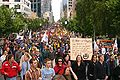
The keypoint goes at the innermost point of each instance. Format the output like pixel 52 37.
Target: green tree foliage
pixel 36 23
pixel 5 19
pixel 114 9
pixel 101 16
pixel 11 21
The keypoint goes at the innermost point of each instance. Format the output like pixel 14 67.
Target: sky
pixel 56 9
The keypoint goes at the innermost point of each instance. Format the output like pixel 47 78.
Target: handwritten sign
pixel 81 46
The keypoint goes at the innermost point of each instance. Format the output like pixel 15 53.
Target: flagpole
pixel 93 38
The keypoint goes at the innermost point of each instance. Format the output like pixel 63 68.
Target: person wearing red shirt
pixel 10 68
pixel 59 67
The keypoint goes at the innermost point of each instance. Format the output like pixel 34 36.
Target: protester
pixel 34 72
pixel 18 54
pixel 25 66
pixel 68 73
pixel 117 59
pixel 10 68
pixel 116 73
pixel 52 56
pixel 47 71
pixel 110 66
pixel 3 57
pixel 67 61
pixel 91 68
pixel 59 67
pixel 58 77
pixel 101 68
pixel 79 68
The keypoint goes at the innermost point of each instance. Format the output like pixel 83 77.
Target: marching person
pixel 101 68
pixel 25 66
pixel 34 72
pixel 59 67
pixel 79 68
pixel 10 68
pixel 91 68
pixel 110 66
pixel 47 71
pixel 116 73
pixel 68 74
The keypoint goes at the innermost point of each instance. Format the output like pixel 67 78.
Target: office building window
pixel 70 2
pixel 17 0
pixel 5 0
pixel 34 10
pixel 34 6
pixel 34 0
pixel 17 6
pixel 31 6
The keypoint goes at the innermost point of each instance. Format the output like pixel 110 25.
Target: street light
pixel 40 24
pixel 66 22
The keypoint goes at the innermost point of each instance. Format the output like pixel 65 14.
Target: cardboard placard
pixel 81 46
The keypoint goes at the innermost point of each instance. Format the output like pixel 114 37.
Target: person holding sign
pixel 79 68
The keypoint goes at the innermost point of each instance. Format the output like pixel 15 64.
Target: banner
pixel 81 46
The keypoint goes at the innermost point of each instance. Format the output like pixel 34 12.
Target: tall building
pixel 45 6
pixel 46 10
pixel 65 8
pixel 22 6
pixel 71 4
pixel 61 8
pixel 36 7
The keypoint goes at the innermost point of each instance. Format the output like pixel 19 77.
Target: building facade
pixel 71 5
pixel 22 6
pixel 36 7
pixel 46 10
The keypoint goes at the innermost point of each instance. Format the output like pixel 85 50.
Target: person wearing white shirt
pixel 3 57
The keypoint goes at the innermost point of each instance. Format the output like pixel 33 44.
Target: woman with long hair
pixel 67 61
pixel 79 68
pixel 91 68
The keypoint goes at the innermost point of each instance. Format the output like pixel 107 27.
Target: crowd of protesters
pixel 32 59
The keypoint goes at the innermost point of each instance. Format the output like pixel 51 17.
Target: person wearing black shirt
pixel 116 72
pixel 79 68
pixel 101 71
pixel 91 68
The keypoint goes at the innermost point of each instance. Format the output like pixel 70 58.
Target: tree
pixel 35 24
pixel 84 16
pixel 18 23
pixel 5 20
pixel 114 9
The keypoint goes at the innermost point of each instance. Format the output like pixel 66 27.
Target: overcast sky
pixel 56 9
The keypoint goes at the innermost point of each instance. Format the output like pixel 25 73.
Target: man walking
pixel 10 68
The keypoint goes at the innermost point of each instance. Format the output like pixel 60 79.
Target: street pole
pixel 94 32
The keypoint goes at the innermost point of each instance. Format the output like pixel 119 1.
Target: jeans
pixel 13 78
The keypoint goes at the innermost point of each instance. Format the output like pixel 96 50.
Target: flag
pixel 18 36
pixel 45 37
pixel 95 45
pixel 115 46
pixel 30 36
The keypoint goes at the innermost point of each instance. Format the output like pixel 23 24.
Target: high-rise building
pixel 45 6
pixel 46 10
pixel 22 6
pixel 65 8
pixel 71 4
pixel 36 7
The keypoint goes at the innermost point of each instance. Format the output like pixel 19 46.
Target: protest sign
pixel 81 46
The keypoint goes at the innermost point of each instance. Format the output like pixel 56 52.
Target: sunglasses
pixel 59 61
